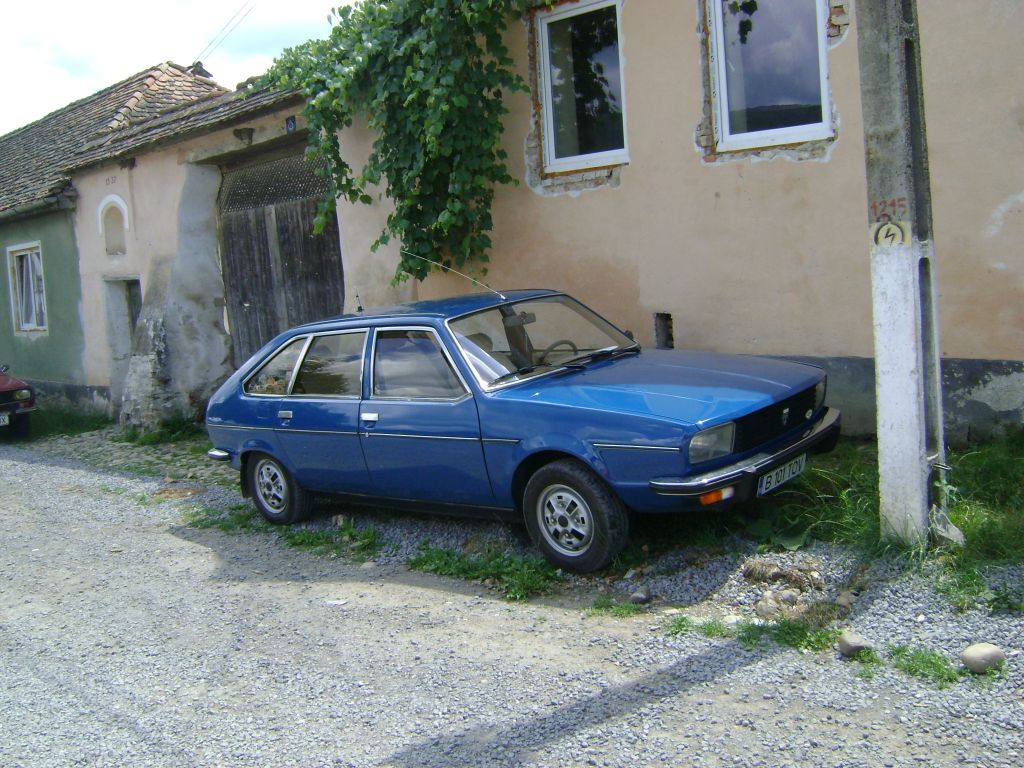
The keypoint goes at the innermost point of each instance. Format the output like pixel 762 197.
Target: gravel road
pixel 130 639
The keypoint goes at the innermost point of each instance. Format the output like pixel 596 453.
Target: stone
pixel 846 600
pixel 850 643
pixel 641 596
pixel 944 532
pixel 981 657
pixel 789 596
pixel 767 607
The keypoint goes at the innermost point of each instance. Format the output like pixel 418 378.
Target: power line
pixel 224 32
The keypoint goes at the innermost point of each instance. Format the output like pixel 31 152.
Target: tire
pixel 276 495
pixel 576 521
pixel 20 425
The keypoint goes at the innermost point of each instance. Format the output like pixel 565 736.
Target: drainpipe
pixel 908 388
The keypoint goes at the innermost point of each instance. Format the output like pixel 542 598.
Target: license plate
pixel 769 481
pixel 4 419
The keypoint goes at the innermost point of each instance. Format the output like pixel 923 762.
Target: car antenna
pixel 460 274
pixel 359 303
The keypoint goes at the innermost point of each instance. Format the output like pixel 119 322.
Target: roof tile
pixel 34 158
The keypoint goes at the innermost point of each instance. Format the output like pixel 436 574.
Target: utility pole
pixel 908 386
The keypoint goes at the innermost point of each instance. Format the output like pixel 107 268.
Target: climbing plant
pixel 429 78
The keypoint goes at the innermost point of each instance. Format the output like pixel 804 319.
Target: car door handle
pixel 284 414
pixel 370 418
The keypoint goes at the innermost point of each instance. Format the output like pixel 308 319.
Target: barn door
pixel 277 273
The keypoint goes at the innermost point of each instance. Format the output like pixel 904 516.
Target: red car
pixel 17 401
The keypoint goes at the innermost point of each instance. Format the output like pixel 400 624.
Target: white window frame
pixel 725 141
pixel 592 160
pixel 21 325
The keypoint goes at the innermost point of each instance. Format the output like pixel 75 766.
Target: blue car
pixel 527 404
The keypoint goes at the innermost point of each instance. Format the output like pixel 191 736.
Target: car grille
pixel 768 424
pixel 6 397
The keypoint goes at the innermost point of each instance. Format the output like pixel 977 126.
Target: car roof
pixel 447 308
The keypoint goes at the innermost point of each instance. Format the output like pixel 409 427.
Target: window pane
pixel 771 64
pixel 410 364
pixel 273 377
pixel 333 366
pixel 38 291
pixel 586 86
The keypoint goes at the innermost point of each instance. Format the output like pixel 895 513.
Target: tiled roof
pixel 33 158
pixel 198 117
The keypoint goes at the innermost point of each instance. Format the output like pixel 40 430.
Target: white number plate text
pixel 769 481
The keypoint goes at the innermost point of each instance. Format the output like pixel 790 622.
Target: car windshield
pixel 515 341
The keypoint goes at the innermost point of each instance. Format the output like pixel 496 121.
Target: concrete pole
pixel 907 371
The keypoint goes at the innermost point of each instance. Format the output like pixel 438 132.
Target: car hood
pixel 694 388
pixel 8 382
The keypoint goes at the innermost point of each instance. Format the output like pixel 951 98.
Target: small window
pixel 28 292
pixel 580 80
pixel 333 366
pixel 276 374
pixel 113 231
pixel 410 364
pixel 769 67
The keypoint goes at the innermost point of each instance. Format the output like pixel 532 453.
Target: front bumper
pixel 742 477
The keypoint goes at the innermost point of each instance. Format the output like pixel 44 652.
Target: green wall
pixel 55 356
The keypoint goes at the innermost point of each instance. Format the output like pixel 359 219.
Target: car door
pixel 420 428
pixel 318 423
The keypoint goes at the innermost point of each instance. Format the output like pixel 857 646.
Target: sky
pixel 54 52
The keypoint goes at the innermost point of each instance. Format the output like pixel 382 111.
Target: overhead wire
pixel 224 31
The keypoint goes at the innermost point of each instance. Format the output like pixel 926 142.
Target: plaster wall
pixel 764 257
pixel 180 351
pixel 770 255
pixel 51 357
pixel 972 62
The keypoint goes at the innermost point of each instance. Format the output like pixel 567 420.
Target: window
pixel 28 294
pixel 113 223
pixel 274 377
pixel 410 364
pixel 580 81
pixel 769 69
pixel 113 231
pixel 333 366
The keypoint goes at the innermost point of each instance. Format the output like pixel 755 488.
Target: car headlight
pixel 819 394
pixel 712 443
pixel 23 394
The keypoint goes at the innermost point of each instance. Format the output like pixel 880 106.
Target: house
pixel 712 195
pixel 182 241
pixel 42 336
pixel 218 202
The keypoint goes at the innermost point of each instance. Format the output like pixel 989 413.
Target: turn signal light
pixel 713 497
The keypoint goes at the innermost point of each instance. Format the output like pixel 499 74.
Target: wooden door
pixel 277 273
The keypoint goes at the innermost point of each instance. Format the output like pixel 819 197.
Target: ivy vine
pixel 429 78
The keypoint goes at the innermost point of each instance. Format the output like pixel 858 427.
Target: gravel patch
pixel 128 638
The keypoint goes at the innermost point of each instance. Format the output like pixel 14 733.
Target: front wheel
pixel 276 495
pixel 576 520
pixel 20 425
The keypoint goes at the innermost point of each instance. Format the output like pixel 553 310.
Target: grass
pixel 870 661
pixel 837 500
pixel 343 540
pixel 680 625
pixel 605 605
pixel 791 633
pixel 51 422
pixel 927 664
pixel 516 576
pixel 172 431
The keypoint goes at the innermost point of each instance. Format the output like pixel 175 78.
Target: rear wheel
pixel 276 494
pixel 573 517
